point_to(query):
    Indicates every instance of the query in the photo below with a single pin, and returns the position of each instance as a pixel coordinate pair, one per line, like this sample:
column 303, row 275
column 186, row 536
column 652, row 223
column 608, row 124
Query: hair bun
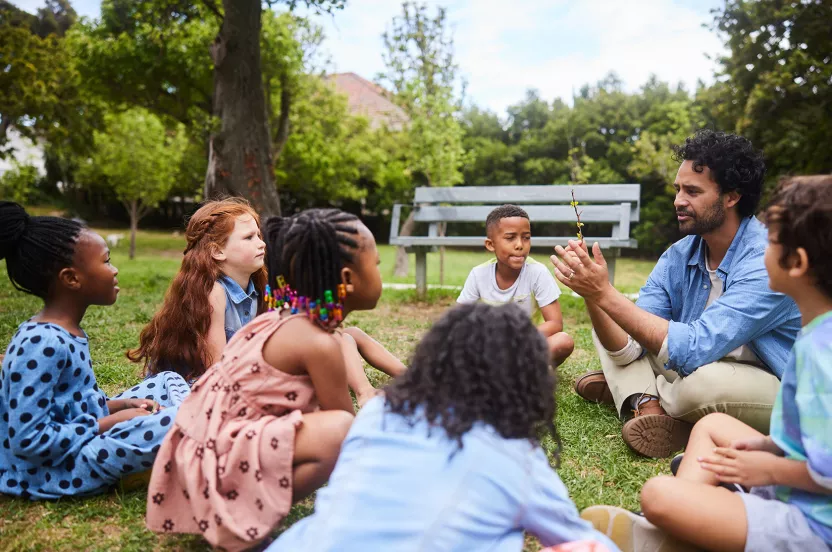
column 13, row 223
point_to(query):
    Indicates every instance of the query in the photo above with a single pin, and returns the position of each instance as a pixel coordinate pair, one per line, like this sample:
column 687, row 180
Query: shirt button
column 705, row 286
column 246, row 313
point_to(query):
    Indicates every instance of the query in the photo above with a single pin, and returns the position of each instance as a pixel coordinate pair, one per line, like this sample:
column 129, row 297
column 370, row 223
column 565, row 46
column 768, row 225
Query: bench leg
column 610, row 257
column 421, row 272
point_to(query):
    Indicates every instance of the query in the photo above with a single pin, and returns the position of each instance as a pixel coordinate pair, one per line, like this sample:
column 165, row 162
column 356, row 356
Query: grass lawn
column 596, row 466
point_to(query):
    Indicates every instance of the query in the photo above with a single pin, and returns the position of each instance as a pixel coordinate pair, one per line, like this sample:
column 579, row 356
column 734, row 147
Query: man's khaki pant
column 740, row 390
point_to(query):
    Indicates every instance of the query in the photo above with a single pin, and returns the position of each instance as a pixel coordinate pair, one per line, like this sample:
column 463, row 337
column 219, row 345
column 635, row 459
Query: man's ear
column 68, row 278
column 489, row 244
column 732, row 198
column 799, row 263
column 347, row 278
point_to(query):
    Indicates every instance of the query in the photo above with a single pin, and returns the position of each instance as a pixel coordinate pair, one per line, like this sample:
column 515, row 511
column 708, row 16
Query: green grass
column 595, row 464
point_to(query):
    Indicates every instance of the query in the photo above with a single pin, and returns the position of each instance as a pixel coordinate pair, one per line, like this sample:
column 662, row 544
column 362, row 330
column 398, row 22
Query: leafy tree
column 213, row 67
column 17, row 183
column 774, row 86
column 41, row 95
column 139, row 159
column 420, row 69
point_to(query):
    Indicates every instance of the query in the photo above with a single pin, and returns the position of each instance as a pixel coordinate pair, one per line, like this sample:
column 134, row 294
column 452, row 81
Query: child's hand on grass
column 749, row 468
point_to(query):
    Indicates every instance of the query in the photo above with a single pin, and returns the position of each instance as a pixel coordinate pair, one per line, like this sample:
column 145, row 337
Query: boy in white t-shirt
column 513, row 277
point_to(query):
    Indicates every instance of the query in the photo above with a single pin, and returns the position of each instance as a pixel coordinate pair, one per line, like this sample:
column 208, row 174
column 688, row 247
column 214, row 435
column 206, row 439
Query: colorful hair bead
column 342, row 292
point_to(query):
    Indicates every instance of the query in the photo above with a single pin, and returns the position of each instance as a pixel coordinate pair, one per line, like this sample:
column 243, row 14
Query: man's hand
column 577, row 271
column 749, row 468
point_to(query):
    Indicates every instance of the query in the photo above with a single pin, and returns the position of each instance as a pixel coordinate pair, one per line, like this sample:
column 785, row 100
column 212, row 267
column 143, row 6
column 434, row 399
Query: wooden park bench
column 615, row 204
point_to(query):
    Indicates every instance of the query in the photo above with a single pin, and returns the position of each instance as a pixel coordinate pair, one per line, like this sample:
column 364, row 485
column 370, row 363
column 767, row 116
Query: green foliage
column 18, row 183
column 40, row 84
column 775, row 84
column 421, row 71
column 137, row 157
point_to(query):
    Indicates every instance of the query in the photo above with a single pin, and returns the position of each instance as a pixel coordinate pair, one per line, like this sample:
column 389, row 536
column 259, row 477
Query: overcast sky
column 505, row 47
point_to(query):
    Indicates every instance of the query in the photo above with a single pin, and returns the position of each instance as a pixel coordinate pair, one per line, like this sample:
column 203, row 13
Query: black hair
column 36, row 249
column 481, row 363
column 734, row 163
column 309, row 249
column 802, row 215
column 501, row 212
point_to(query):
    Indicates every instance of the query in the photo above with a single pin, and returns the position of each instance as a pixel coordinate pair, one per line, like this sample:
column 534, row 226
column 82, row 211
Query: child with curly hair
column 263, row 426
column 449, row 458
column 215, row 293
column 789, row 472
column 62, row 436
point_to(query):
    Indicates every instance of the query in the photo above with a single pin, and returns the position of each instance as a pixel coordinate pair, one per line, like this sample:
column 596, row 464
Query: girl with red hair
column 215, row 293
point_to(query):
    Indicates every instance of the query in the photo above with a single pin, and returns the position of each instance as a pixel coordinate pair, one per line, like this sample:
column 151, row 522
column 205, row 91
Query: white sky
column 504, row 47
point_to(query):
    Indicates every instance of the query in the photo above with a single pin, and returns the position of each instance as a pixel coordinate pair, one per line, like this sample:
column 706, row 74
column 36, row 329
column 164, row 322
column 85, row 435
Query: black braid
column 481, row 363
column 35, row 248
column 310, row 248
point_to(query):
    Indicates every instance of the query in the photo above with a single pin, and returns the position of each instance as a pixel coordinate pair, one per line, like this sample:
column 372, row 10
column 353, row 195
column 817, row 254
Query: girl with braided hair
column 62, row 436
column 449, row 459
column 214, row 294
column 263, row 426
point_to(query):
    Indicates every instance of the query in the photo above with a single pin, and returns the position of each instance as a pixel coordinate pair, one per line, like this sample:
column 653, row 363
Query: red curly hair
column 176, row 338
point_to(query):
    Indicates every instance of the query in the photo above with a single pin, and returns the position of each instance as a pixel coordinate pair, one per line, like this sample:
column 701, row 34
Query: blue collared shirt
column 240, row 305
column 747, row 313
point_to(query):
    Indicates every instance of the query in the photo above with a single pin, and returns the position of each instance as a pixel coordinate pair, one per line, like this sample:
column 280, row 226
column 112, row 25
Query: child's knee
column 711, row 423
column 657, row 497
column 561, row 346
column 337, row 427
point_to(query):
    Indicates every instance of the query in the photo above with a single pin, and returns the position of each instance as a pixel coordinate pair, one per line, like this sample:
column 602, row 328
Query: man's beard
column 709, row 221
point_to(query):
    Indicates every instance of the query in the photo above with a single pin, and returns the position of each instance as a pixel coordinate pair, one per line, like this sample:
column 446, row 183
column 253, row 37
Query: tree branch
column 212, row 7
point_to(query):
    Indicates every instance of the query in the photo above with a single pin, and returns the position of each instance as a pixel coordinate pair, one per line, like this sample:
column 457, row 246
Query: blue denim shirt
column 240, row 305
column 747, row 313
column 406, row 486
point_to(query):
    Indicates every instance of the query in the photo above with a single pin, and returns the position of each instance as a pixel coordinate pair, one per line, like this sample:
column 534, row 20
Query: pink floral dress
column 225, row 468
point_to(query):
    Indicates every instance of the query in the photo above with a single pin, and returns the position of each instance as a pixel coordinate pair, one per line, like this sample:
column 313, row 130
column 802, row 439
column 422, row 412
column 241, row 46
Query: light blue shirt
column 747, row 312
column 240, row 305
column 801, row 418
column 401, row 487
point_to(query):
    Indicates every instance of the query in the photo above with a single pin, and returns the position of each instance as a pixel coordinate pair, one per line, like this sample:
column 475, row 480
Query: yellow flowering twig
column 574, row 204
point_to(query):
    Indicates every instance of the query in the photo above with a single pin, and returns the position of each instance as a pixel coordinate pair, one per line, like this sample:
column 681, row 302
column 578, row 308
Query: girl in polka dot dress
column 62, row 436
column 262, row 428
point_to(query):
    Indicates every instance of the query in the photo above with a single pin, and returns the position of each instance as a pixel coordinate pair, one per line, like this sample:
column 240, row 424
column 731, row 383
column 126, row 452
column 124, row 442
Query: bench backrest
column 618, row 204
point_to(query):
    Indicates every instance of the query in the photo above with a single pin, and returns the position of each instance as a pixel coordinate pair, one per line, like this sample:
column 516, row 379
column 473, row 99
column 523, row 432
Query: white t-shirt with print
column 534, row 288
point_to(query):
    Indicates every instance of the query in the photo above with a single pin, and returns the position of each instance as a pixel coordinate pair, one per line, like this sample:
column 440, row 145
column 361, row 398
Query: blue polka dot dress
column 50, row 404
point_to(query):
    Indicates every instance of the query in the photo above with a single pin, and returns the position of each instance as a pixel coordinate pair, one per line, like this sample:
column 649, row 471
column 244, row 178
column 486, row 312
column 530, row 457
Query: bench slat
column 584, row 193
column 537, row 213
column 475, row 241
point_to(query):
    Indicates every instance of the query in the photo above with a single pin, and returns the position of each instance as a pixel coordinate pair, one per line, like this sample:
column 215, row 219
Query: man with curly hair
column 707, row 334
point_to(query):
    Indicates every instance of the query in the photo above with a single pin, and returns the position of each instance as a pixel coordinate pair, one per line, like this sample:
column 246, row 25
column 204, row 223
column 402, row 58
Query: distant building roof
column 370, row 100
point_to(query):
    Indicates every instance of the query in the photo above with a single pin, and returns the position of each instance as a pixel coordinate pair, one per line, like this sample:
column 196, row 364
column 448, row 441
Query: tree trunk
column 134, row 225
column 402, row 264
column 240, row 160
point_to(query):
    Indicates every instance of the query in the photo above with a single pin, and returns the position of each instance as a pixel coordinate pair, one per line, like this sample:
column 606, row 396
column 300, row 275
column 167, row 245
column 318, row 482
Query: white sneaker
column 632, row 532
